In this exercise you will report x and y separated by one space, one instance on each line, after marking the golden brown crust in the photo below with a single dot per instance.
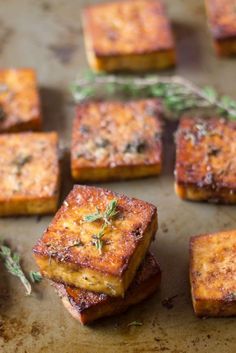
222 18
88 306
116 140
205 160
125 243
19 101
212 273
29 171
222 21
112 31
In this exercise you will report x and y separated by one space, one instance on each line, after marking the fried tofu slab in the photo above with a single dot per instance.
116 140
20 108
86 306
29 171
97 240
222 22
213 274
128 35
206 160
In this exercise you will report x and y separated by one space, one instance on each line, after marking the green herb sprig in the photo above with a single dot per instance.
35 276
12 264
177 93
135 323
109 212
106 217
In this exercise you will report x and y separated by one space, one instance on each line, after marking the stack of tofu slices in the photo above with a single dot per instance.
95 252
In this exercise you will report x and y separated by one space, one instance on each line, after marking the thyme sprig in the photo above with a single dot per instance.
177 93
106 217
135 323
12 263
35 276
109 212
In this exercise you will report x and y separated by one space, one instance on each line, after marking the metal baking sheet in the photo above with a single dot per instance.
47 35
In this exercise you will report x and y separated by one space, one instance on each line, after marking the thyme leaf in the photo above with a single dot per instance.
12 263
135 323
177 93
35 276
106 217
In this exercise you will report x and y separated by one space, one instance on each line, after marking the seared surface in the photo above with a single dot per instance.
117 134
19 100
205 157
213 273
125 241
29 169
127 27
222 18
89 305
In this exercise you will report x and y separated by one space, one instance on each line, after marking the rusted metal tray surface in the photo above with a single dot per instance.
47 35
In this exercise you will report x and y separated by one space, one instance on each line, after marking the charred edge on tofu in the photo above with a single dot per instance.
2 112
195 135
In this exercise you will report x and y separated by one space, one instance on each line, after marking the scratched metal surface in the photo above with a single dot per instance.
47 35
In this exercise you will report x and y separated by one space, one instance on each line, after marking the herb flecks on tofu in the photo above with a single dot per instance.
205 159
89 215
122 140
20 108
29 168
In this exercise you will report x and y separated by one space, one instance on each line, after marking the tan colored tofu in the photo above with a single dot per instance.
213 273
20 108
222 22
117 140
128 35
72 250
29 173
205 160
86 306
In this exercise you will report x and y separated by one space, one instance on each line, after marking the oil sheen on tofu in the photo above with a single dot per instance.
117 140
212 273
20 107
86 306
118 36
222 22
205 160
68 251
29 169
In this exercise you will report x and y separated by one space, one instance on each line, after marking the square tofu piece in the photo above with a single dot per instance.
29 173
86 306
19 101
116 140
213 274
206 160
222 22
128 35
77 249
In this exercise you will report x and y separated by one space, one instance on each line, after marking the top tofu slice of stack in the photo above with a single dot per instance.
213 273
117 140
69 250
206 160
19 101
128 35
222 22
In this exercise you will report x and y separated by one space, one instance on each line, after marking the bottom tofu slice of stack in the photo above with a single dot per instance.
95 251
86 306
